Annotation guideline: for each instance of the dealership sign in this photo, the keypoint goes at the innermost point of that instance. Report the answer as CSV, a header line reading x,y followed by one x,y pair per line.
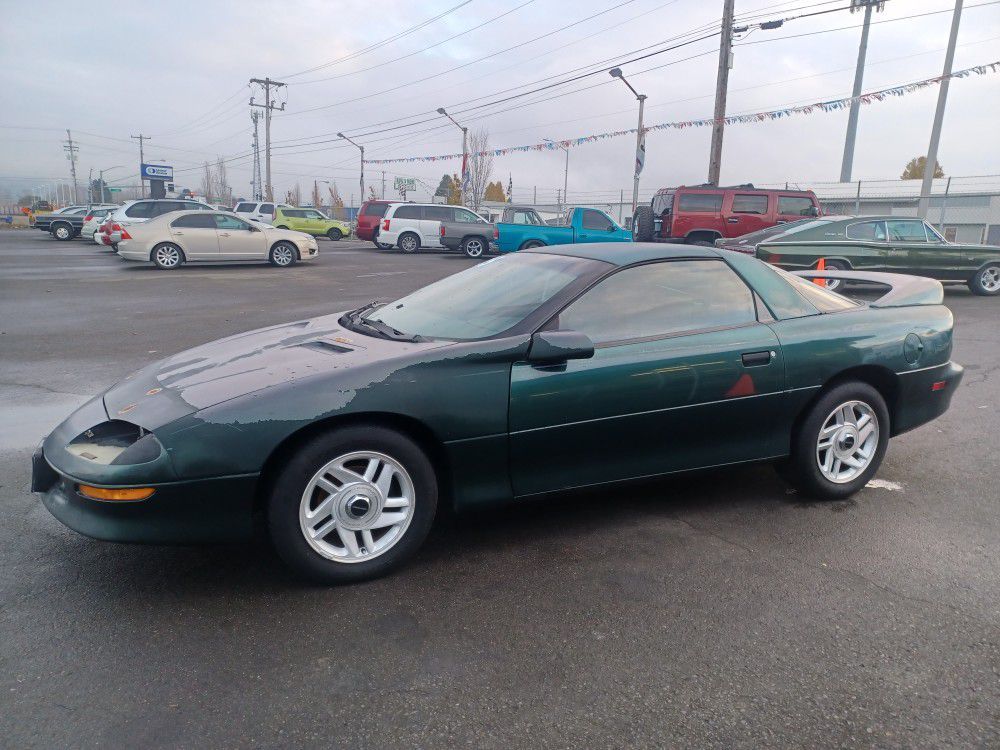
x,y
157,172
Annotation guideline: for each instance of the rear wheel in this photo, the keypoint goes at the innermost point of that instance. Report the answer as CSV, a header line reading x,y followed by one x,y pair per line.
x,y
409,242
986,282
62,232
530,244
352,504
283,254
167,256
474,247
840,443
334,234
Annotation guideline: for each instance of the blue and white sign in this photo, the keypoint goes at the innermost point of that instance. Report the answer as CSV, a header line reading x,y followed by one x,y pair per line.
x,y
157,172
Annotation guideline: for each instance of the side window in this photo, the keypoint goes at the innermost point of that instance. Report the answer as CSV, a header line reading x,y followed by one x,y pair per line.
x,y
794,206
700,202
141,210
462,215
595,220
906,231
407,212
222,221
661,299
439,213
165,207
867,230
525,217
313,214
374,209
266,208
244,208
194,221
749,204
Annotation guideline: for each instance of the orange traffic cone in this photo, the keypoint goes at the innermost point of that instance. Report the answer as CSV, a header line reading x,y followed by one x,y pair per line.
x,y
821,266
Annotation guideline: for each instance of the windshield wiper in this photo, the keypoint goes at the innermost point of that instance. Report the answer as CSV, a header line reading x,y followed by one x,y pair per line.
x,y
355,321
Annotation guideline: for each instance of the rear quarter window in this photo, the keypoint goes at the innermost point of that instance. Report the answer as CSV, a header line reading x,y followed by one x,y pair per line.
x,y
374,209
139,210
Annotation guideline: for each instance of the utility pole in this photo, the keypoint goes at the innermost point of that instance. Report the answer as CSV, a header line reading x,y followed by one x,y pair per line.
x,y
721,87
859,74
70,148
255,182
267,106
383,184
142,180
932,149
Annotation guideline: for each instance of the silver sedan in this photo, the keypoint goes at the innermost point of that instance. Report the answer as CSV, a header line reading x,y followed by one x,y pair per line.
x,y
212,236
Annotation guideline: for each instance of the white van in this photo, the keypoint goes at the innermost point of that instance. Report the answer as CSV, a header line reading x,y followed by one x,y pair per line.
x,y
411,226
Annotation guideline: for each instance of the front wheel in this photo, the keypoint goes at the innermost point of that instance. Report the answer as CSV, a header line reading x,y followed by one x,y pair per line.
x,y
167,256
283,254
986,282
474,247
334,234
352,504
409,243
62,232
840,443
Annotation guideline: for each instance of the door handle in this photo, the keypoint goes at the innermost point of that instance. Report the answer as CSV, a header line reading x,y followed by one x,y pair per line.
x,y
224,234
733,220
757,359
179,234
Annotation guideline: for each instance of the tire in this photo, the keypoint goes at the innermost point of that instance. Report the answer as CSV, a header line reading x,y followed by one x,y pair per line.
x,y
347,546
986,282
334,234
814,470
62,232
408,242
283,254
835,285
531,244
474,247
167,256
643,224
699,240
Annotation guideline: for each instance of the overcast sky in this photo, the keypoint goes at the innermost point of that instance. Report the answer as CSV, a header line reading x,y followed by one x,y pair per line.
x,y
179,73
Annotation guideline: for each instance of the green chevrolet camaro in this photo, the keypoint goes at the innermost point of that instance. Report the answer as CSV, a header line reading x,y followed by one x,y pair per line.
x,y
882,243
541,371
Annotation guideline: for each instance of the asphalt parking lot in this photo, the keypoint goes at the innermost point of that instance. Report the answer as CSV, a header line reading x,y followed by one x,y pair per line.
x,y
711,610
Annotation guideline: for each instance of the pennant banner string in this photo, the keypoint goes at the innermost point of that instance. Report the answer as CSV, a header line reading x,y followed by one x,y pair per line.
x,y
772,114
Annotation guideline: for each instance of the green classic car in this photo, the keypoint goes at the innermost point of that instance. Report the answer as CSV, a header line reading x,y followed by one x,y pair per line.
x,y
540,371
883,243
310,221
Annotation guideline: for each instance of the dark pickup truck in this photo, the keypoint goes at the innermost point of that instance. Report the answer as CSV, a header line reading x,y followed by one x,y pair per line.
x,y
65,224
474,238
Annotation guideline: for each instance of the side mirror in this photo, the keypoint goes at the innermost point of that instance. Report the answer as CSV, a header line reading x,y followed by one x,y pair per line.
x,y
612,228
553,347
813,211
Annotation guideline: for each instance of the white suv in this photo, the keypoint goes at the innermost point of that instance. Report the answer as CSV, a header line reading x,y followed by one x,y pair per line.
x,y
411,226
258,211
137,212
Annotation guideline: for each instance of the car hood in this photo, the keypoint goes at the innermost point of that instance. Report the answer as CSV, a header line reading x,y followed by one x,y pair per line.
x,y
228,368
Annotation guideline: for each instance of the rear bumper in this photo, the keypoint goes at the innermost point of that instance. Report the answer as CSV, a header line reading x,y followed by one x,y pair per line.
x,y
925,395
199,510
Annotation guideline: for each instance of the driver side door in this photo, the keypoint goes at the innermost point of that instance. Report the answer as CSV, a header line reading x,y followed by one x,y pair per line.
x,y
238,239
683,376
196,235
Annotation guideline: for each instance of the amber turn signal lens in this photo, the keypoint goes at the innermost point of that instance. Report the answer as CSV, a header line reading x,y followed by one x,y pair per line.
x,y
102,493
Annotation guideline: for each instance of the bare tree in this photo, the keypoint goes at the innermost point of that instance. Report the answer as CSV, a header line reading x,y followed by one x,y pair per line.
x,y
294,196
480,167
336,202
317,199
208,182
223,192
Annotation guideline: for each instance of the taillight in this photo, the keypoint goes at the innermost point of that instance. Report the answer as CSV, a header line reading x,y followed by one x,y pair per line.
x,y
125,234
441,230
496,232
385,225
87,218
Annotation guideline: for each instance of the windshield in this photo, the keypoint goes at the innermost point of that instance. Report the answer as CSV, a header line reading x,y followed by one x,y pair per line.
x,y
780,229
486,299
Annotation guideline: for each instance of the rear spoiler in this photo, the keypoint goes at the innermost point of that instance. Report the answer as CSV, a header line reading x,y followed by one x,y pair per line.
x,y
904,290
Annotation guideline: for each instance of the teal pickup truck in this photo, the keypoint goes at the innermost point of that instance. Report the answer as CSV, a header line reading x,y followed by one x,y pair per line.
x,y
523,228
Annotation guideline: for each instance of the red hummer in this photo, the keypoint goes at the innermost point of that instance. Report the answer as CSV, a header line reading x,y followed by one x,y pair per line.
x,y
702,214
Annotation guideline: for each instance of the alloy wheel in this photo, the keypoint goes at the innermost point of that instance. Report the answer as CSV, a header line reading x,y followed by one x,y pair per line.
x,y
408,244
62,233
847,442
990,279
474,248
283,255
167,256
357,507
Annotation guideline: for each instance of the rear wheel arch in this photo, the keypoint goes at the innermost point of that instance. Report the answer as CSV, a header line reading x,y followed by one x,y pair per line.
x,y
407,426
527,244
703,235
882,379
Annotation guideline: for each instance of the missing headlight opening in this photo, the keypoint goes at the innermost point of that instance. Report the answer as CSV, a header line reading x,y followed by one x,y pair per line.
x,y
115,443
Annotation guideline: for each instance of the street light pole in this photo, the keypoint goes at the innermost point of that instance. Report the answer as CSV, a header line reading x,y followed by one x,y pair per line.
x,y
101,180
465,151
640,138
362,148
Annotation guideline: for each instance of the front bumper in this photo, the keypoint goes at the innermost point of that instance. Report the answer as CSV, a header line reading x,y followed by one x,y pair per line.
x,y
202,510
925,395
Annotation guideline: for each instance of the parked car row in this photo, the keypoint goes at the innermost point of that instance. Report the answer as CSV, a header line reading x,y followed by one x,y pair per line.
x,y
412,226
